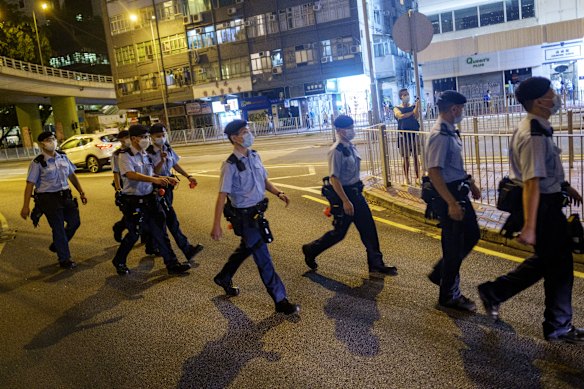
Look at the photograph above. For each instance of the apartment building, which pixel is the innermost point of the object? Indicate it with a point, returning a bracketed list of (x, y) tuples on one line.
[(212, 61)]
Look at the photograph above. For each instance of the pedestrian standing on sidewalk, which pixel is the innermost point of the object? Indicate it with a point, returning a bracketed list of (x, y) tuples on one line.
[(345, 171), (460, 230), (124, 138), (536, 166), (165, 159), (141, 205), (49, 175), (243, 184), (407, 116)]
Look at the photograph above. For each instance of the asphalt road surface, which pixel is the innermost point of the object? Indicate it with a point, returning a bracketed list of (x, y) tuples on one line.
[(90, 328)]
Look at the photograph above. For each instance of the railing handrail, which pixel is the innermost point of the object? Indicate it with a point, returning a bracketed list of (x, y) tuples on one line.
[(53, 72)]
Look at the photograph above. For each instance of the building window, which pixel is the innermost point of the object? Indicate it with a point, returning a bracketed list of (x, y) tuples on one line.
[(201, 37), (128, 86), (261, 62), (492, 14), (178, 77), (305, 54), (204, 74), (168, 10), (297, 17), (232, 31), (174, 44), (125, 55), (256, 26), (527, 9), (197, 6), (146, 52), (337, 49), (466, 18), (234, 68), (150, 82), (512, 9), (331, 10), (381, 49), (119, 24), (435, 20), (446, 21)]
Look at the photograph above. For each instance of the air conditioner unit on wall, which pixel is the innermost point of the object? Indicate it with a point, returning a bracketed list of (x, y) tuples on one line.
[(248, 23), (187, 19), (355, 49), (277, 70), (262, 54), (231, 11), (317, 7), (239, 1), (325, 60), (196, 18), (273, 18)]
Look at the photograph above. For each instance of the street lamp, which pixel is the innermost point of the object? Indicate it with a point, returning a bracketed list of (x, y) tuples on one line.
[(44, 7)]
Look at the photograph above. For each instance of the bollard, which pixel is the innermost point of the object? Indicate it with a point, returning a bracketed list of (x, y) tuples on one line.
[(475, 126), (384, 159), (570, 139)]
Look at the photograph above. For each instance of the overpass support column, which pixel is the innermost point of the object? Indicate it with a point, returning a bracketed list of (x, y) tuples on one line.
[(29, 121), (66, 118)]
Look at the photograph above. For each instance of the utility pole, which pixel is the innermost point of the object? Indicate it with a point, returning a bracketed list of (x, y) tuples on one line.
[(373, 86)]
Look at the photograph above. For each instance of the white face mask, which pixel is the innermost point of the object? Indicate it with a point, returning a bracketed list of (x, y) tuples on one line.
[(160, 141), (557, 100), (50, 146), (406, 99), (349, 134), (458, 119), (144, 143), (247, 140)]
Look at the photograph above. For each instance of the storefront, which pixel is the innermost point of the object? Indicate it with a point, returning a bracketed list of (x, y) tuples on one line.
[(565, 63)]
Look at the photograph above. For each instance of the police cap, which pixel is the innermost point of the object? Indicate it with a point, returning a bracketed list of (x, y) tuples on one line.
[(157, 129), (137, 130), (532, 88), (343, 121), (44, 135), (123, 134), (450, 97), (233, 127)]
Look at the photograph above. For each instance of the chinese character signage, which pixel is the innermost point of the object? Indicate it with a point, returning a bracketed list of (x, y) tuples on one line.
[(314, 88)]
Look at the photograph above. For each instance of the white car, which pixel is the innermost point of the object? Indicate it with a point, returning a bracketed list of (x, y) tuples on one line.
[(90, 151)]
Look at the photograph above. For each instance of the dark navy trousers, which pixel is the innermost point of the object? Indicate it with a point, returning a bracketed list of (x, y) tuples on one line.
[(253, 244), (173, 225), (552, 261), (62, 212), (458, 240), (363, 220), (145, 217)]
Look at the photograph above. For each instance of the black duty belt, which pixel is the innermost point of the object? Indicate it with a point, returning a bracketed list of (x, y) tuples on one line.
[(61, 193)]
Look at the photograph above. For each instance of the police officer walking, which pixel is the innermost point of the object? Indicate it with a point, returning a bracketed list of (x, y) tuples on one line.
[(344, 167), (537, 167), (460, 230), (142, 209), (124, 139), (243, 184), (48, 175), (165, 159)]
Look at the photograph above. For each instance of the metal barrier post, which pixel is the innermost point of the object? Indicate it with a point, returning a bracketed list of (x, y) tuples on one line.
[(475, 126), (203, 133), (185, 135), (383, 155), (570, 139)]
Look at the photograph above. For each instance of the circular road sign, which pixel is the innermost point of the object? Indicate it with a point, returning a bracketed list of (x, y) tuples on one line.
[(413, 31)]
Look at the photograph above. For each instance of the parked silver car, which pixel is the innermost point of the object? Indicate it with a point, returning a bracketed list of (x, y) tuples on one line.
[(90, 151)]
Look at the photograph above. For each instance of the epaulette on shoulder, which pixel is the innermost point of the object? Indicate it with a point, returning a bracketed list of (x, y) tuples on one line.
[(150, 150), (126, 151), (444, 130), (234, 160), (40, 159), (537, 129), (61, 152), (341, 147)]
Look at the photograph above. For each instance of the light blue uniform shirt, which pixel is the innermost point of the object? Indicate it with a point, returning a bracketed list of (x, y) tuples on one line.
[(52, 178), (133, 160), (172, 159), (536, 156), (245, 188), (445, 152), (346, 169)]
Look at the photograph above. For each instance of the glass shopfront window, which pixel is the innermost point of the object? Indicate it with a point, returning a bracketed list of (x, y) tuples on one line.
[(512, 9), (446, 21), (466, 18), (492, 14)]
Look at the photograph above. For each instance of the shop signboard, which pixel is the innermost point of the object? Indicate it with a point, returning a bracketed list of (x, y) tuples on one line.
[(563, 52), (314, 88), (198, 108), (482, 63)]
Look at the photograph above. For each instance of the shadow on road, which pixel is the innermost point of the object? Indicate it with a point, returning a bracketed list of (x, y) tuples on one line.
[(114, 291), (495, 357), (354, 311), (220, 361)]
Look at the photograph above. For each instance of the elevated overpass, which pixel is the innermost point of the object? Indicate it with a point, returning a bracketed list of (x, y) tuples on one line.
[(27, 85)]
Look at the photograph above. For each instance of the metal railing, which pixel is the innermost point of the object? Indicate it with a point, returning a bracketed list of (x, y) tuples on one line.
[(392, 155), (28, 67)]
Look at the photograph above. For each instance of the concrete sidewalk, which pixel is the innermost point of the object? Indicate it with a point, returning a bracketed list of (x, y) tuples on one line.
[(406, 201)]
